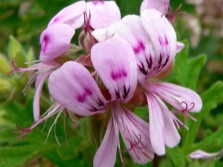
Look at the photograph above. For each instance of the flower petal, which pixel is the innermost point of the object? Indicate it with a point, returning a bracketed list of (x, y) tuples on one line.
[(163, 38), (181, 98), (156, 121), (103, 13), (131, 29), (171, 135), (115, 63), (106, 153), (75, 89), (100, 34), (200, 154), (180, 46), (36, 102), (137, 130), (54, 41), (160, 5), (72, 15)]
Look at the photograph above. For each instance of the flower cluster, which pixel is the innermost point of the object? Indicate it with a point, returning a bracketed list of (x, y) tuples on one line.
[(116, 67)]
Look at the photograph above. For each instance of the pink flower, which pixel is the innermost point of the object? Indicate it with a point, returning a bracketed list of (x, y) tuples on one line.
[(74, 88), (55, 40), (199, 154), (154, 43), (160, 5)]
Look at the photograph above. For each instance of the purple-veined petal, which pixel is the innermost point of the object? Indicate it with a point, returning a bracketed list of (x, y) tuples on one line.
[(75, 89), (135, 134), (54, 41), (183, 99), (180, 46), (170, 133), (200, 154), (106, 153), (72, 15), (156, 121), (163, 38), (115, 63), (131, 29), (160, 5), (103, 13)]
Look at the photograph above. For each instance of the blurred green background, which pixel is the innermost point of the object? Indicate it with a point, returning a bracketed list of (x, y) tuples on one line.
[(21, 23)]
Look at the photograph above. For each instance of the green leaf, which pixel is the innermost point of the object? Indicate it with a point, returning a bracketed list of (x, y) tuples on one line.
[(187, 71), (5, 89), (210, 98), (176, 156), (30, 55), (14, 47), (16, 156), (212, 139), (20, 59), (4, 67), (69, 152)]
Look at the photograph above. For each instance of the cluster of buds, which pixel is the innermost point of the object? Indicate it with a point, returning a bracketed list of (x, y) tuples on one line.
[(117, 66)]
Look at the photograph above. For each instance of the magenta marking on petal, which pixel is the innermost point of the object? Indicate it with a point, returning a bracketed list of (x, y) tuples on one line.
[(139, 47), (141, 44), (163, 42), (45, 42), (166, 41), (57, 19), (82, 98), (118, 75), (98, 2), (88, 91)]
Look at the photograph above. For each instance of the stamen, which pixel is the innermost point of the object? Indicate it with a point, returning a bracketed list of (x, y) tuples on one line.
[(146, 154), (172, 15), (87, 26), (135, 145), (184, 111), (69, 116)]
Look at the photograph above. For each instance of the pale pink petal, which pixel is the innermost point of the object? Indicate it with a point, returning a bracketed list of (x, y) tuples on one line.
[(54, 41), (106, 153), (114, 61), (200, 154), (103, 13), (135, 134), (163, 38), (160, 5), (75, 89), (156, 121), (131, 29), (171, 135), (180, 46), (181, 98), (72, 15), (100, 34), (36, 101)]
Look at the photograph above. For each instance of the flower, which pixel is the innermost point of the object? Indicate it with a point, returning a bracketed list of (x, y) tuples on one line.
[(154, 43), (76, 90), (199, 154), (55, 40)]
